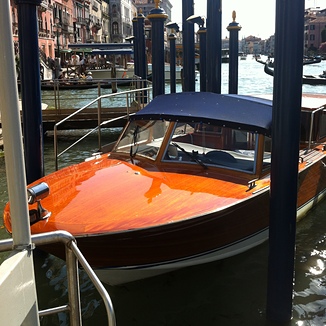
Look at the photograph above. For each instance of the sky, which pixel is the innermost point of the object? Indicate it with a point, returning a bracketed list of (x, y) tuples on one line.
[(256, 17)]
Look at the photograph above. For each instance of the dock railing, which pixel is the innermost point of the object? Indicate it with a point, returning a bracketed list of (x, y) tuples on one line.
[(136, 99), (73, 256)]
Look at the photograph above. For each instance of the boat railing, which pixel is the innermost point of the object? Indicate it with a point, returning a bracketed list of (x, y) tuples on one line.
[(73, 256), (136, 99)]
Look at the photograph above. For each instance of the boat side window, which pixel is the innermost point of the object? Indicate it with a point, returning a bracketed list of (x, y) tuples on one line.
[(213, 145), (142, 138), (267, 153)]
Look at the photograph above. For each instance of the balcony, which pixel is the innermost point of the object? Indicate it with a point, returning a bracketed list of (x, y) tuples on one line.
[(81, 20), (98, 26), (44, 5), (43, 32), (65, 21)]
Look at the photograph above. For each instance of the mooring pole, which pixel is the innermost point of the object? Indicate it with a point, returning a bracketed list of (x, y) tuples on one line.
[(142, 46), (287, 95), (214, 45), (172, 39), (188, 45), (157, 17), (30, 88), (136, 47), (234, 29), (202, 59), (142, 54)]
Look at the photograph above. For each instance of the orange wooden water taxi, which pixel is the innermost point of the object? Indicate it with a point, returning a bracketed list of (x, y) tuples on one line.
[(186, 183)]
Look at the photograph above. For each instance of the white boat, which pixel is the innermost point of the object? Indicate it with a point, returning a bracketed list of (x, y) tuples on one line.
[(129, 72)]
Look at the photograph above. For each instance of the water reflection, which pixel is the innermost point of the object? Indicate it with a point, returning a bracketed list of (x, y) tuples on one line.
[(310, 278)]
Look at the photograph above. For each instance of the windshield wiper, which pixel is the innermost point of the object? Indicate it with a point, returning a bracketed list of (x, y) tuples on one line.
[(192, 155), (134, 143)]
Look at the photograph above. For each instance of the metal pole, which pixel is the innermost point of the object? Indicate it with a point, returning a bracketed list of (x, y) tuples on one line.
[(214, 45), (12, 134), (234, 29), (30, 88), (73, 288), (188, 42), (287, 93)]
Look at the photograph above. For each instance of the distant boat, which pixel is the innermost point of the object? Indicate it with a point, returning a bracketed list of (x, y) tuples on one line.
[(187, 183), (129, 72), (225, 56), (306, 79), (306, 61), (67, 85)]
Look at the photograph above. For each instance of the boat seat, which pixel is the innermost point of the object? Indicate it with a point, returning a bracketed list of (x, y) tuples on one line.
[(220, 157), (172, 153)]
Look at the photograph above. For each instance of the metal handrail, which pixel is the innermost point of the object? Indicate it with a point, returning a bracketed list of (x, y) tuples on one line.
[(73, 255), (98, 99)]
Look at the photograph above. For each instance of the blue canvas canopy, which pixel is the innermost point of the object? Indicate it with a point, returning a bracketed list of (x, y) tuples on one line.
[(234, 111)]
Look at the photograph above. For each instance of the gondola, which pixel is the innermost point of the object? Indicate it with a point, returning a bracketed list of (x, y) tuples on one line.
[(306, 79)]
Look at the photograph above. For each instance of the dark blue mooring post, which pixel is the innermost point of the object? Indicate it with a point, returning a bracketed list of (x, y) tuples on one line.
[(202, 50), (200, 21), (157, 17), (287, 93), (30, 88), (142, 46), (136, 41), (142, 54), (234, 29), (188, 42), (172, 39), (214, 46)]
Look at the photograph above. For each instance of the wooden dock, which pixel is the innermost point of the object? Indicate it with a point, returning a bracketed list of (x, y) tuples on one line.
[(86, 119)]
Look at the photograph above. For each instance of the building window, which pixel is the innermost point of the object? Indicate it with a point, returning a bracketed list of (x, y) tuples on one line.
[(115, 28), (312, 27), (312, 37)]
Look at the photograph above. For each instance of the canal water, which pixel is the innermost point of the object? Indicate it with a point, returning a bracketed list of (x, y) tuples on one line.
[(230, 292)]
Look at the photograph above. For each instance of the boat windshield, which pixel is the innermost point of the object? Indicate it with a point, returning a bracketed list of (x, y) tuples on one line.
[(211, 145), (142, 137)]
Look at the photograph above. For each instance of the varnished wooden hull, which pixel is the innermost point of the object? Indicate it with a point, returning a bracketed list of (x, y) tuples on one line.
[(176, 241), (126, 255)]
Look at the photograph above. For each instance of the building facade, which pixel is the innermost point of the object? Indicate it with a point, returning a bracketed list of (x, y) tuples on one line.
[(64, 22), (314, 29), (147, 5), (121, 15)]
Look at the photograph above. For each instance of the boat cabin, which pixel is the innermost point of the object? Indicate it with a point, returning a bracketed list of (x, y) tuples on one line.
[(313, 120), (209, 131), (187, 135), (202, 144)]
